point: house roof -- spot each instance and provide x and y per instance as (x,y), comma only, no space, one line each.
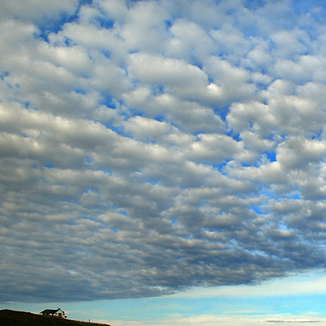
(50,311)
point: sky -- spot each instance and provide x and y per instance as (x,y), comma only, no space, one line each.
(163,161)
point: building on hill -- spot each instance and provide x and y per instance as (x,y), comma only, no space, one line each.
(56,312)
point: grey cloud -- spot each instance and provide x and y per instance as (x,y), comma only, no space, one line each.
(300,153)
(37,10)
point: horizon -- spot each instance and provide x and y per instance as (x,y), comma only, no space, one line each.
(296,299)
(163,161)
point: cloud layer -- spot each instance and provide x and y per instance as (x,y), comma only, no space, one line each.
(152,146)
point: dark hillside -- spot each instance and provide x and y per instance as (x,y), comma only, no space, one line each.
(19,318)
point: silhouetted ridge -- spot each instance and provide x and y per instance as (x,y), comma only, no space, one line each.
(21,318)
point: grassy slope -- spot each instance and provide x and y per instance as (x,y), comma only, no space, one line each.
(19,318)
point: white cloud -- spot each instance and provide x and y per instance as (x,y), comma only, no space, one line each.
(189,41)
(172,73)
(151,146)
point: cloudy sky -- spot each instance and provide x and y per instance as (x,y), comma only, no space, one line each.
(166,153)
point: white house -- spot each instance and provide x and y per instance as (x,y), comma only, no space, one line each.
(57,312)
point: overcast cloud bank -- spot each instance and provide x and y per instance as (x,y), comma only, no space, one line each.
(151,146)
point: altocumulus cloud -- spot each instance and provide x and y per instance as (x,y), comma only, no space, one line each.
(152,146)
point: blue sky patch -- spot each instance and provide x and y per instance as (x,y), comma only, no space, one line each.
(49,165)
(80,91)
(271,155)
(103,22)
(4,75)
